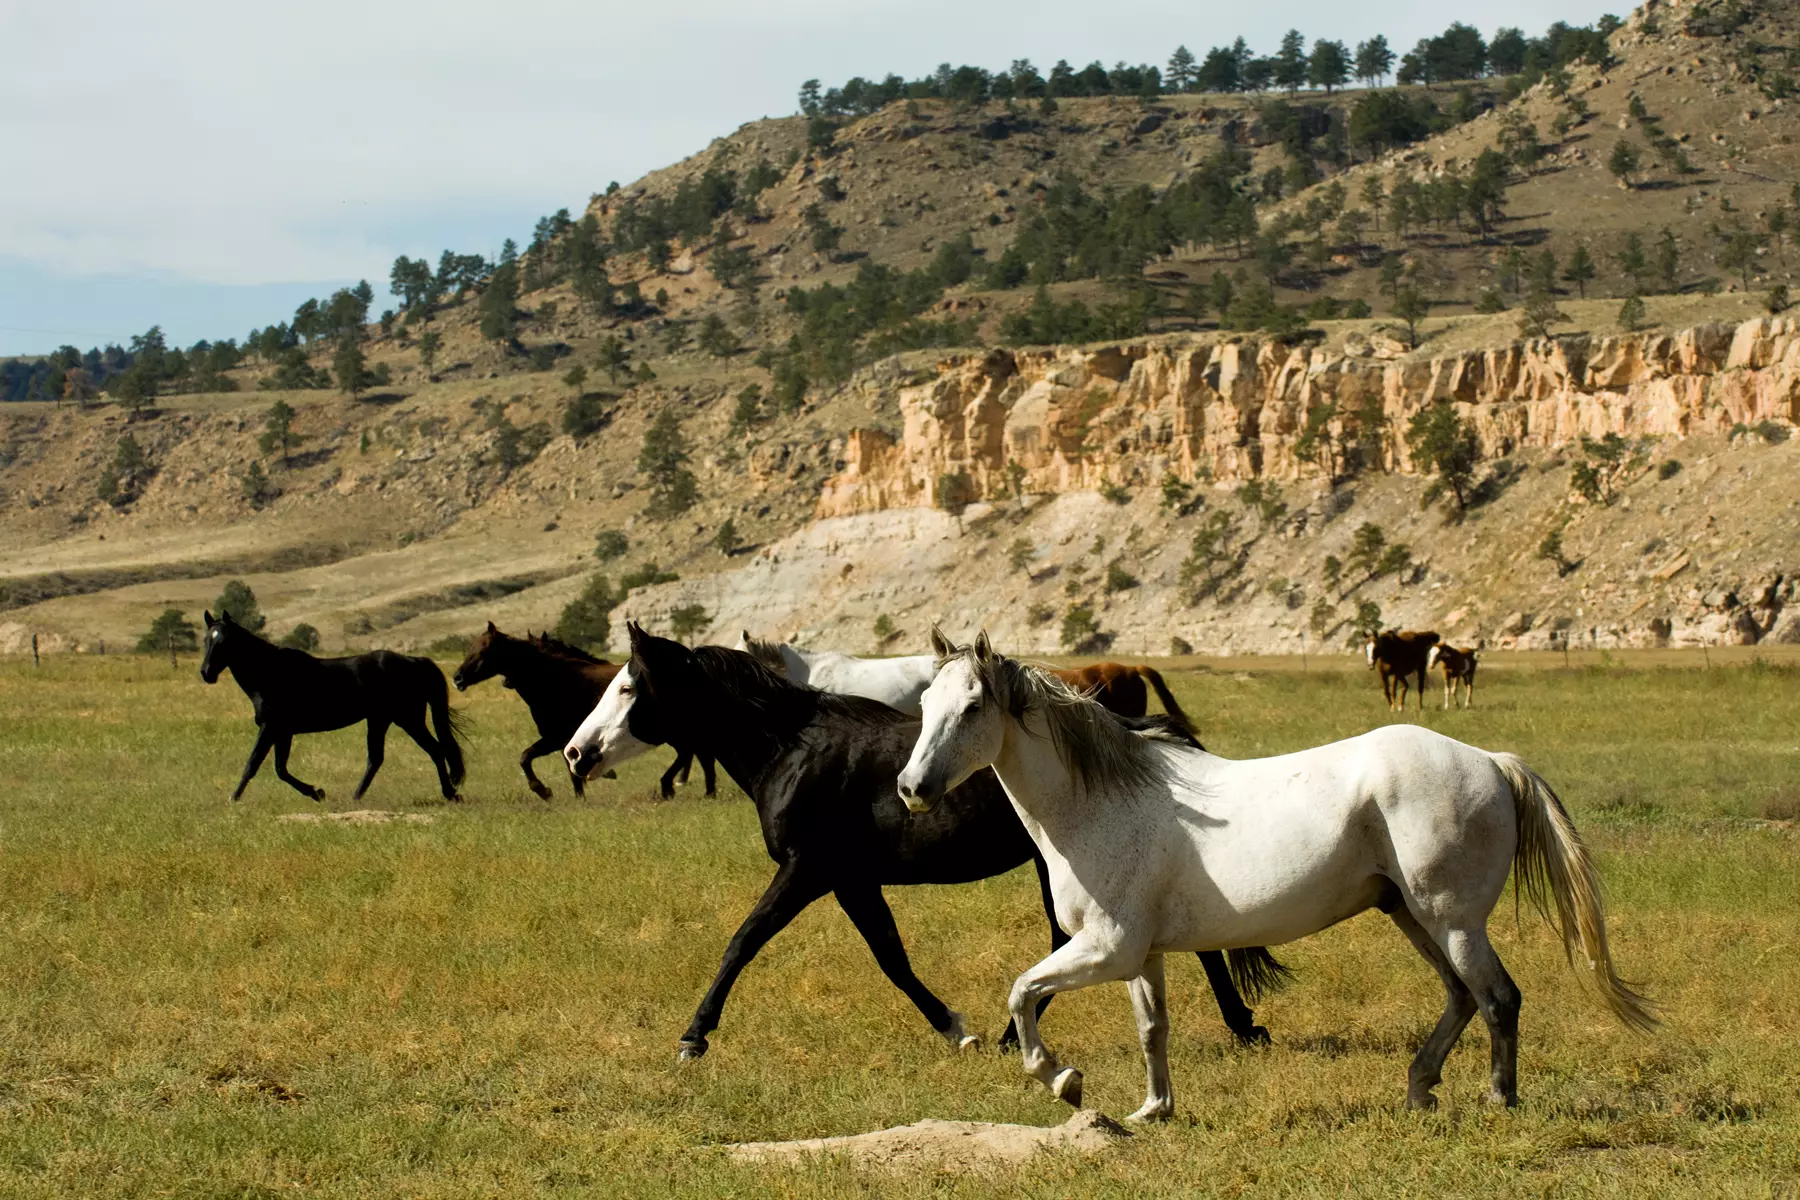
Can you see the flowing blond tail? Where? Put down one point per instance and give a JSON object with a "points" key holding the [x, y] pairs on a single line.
{"points": [[1552, 866]]}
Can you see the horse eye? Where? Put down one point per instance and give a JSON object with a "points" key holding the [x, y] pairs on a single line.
{"points": [[973, 707]]}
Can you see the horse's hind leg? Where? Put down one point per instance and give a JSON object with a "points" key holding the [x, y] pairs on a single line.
{"points": [[868, 911], [377, 752], [1081, 962], [1238, 1016], [712, 780], [283, 744], [1427, 1069], [1498, 998], [415, 729], [258, 752], [1150, 1004]]}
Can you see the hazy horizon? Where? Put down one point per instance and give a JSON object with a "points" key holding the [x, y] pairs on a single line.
{"points": [[207, 168]]}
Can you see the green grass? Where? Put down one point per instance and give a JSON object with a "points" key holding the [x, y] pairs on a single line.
{"points": [[199, 1000]]}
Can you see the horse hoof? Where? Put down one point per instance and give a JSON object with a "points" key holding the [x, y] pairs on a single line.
{"points": [[1255, 1037], [1067, 1086], [691, 1048], [958, 1038], [318, 795], [1153, 1110]]}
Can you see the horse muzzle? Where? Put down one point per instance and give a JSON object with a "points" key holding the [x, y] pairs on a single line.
{"points": [[919, 795], [583, 760]]}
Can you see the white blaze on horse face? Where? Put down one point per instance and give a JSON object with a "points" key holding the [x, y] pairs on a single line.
{"points": [[605, 737], [960, 735], [1369, 650]]}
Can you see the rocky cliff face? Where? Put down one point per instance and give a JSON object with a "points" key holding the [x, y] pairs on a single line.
{"points": [[1062, 420]]}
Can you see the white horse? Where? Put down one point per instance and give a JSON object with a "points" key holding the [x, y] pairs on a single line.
{"points": [[896, 682], [1154, 847]]}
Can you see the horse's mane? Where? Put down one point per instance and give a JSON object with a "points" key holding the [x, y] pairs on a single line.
{"points": [[1098, 749], [765, 652], [544, 641], [750, 680]]}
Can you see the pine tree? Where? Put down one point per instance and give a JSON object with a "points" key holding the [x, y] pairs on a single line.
{"points": [[170, 632], [238, 602], [1411, 306], [1373, 60], [663, 457], [1290, 61], [1624, 162], [1668, 259], [278, 432], [1328, 66], [348, 365], [1580, 269], [1447, 444], [1181, 71]]}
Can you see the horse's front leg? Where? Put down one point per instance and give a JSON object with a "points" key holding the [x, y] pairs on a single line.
{"points": [[666, 785], [793, 888], [283, 744], [538, 749], [1150, 1004], [712, 780], [258, 752], [1421, 692], [1085, 959]]}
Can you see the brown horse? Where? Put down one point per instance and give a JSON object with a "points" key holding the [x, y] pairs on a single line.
{"points": [[1459, 667], [560, 684], [1399, 654], [1120, 688]]}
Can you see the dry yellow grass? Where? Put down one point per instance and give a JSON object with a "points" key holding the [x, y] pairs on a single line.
{"points": [[198, 999]]}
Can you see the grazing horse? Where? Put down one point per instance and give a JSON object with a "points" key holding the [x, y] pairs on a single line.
{"points": [[896, 682], [560, 684], [1459, 667], [293, 692], [1120, 688], [1155, 846], [820, 768], [1398, 654]]}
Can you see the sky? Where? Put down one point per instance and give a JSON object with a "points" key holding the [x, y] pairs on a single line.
{"points": [[206, 166]]}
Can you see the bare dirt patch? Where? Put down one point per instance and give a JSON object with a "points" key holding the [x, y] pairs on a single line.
{"points": [[358, 816], [947, 1145]]}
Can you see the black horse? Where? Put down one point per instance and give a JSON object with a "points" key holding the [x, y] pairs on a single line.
{"points": [[560, 684], [821, 769], [293, 692]]}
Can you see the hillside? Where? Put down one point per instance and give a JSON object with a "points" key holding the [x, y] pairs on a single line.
{"points": [[450, 494]]}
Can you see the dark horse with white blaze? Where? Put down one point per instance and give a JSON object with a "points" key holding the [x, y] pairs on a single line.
{"points": [[560, 685], [293, 692], [821, 769]]}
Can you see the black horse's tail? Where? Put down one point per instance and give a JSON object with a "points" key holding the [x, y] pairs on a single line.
{"points": [[1155, 679], [446, 722], [1256, 973]]}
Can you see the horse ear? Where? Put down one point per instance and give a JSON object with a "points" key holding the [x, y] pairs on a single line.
{"points": [[941, 646], [984, 649], [209, 619], [491, 628]]}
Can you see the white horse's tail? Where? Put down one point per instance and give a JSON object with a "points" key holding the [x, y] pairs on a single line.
{"points": [[1551, 867]]}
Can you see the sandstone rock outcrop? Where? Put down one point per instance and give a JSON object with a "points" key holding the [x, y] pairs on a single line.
{"points": [[1060, 420]]}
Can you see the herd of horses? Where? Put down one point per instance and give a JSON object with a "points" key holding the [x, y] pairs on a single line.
{"points": [[964, 764]]}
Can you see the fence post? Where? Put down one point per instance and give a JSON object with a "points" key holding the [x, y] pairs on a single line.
{"points": [[34, 653], [173, 665]]}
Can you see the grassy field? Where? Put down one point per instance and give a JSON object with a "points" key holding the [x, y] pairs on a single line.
{"points": [[197, 999]]}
